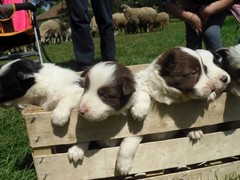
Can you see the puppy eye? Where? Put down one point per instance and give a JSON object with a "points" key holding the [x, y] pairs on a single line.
{"points": [[194, 73], [106, 96]]}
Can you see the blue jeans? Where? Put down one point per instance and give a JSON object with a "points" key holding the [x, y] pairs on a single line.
{"points": [[81, 36], [211, 34]]}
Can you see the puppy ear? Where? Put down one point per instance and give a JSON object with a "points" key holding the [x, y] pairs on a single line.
{"points": [[218, 59], [167, 62], [24, 76], [128, 85], [83, 74]]}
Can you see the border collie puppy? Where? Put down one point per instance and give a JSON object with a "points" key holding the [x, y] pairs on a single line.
{"points": [[108, 90], [230, 62], [220, 78], [175, 76], [53, 88]]}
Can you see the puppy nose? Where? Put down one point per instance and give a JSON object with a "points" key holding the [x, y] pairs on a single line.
{"points": [[83, 110], [224, 79]]}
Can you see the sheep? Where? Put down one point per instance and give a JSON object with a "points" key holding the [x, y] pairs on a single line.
{"points": [[119, 21], [161, 20], [67, 34], [94, 27], [142, 18], [50, 31]]}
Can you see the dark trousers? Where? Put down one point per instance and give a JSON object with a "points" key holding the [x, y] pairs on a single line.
{"points": [[81, 36]]}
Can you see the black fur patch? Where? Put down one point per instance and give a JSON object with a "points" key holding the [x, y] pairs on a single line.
{"points": [[17, 79]]}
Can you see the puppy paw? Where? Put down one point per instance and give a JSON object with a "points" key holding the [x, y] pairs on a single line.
{"points": [[60, 118], [124, 165], [212, 97], [139, 111], [75, 154], [195, 135]]}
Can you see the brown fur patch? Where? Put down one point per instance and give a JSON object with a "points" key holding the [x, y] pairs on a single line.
{"points": [[179, 69]]}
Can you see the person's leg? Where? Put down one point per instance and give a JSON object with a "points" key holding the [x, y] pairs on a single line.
{"points": [[103, 14], [81, 37], [193, 41], [212, 32]]}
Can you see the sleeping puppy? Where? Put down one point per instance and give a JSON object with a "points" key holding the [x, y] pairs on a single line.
{"points": [[175, 76], [230, 61], [53, 88], [108, 90]]}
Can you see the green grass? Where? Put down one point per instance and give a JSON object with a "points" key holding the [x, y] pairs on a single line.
{"points": [[15, 154]]}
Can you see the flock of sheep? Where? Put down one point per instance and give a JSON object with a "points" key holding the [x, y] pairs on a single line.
{"points": [[54, 31], [130, 20]]}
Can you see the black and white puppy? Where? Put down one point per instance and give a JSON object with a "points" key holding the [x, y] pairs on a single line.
{"points": [[230, 62], [108, 90], [220, 78], [56, 89], [175, 76]]}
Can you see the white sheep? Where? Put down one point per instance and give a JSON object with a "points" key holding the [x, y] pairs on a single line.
{"points": [[119, 21], [94, 27], [50, 31], [67, 34], [142, 18], [162, 20]]}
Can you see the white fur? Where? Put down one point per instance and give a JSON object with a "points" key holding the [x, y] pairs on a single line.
{"points": [[234, 53]]}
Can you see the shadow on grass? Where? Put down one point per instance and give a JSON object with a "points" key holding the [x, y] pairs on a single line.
{"points": [[26, 163], [72, 64]]}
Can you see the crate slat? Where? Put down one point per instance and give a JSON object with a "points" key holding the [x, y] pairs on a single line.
{"points": [[161, 118], [220, 171], [150, 156]]}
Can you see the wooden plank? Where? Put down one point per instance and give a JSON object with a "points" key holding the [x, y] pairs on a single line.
{"points": [[150, 156], [221, 171], [42, 151], [161, 118]]}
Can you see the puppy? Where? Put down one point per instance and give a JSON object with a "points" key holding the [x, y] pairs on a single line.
{"points": [[221, 79], [229, 59], [175, 76], [108, 90], [53, 88]]}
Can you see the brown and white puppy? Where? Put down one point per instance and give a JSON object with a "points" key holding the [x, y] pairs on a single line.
{"points": [[230, 61], [175, 76], [55, 89], [108, 90]]}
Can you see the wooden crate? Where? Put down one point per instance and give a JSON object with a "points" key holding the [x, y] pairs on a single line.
{"points": [[159, 159]]}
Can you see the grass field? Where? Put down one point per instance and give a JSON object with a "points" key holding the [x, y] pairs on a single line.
{"points": [[15, 154]]}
